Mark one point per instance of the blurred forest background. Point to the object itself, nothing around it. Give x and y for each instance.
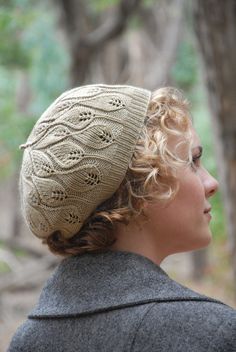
(47, 47)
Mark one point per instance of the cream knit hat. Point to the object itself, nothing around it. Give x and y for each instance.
(77, 155)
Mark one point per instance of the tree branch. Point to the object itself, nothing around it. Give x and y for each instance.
(112, 27)
(167, 48)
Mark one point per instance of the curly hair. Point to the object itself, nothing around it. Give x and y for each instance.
(151, 176)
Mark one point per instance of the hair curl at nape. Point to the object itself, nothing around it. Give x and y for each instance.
(151, 175)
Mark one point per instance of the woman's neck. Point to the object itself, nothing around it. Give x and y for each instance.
(134, 238)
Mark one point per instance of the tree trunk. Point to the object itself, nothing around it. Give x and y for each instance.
(163, 23)
(101, 53)
(215, 25)
(88, 33)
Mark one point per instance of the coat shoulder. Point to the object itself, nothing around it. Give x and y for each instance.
(37, 335)
(187, 326)
(23, 337)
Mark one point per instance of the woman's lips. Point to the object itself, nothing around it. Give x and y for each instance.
(207, 212)
(208, 215)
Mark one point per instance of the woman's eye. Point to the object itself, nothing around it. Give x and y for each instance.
(196, 162)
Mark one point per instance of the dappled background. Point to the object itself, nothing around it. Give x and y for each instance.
(47, 47)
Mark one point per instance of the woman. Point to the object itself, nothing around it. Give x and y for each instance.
(112, 178)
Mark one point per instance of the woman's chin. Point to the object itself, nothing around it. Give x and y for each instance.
(203, 241)
(199, 243)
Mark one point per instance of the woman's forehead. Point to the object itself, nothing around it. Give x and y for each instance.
(180, 145)
(196, 142)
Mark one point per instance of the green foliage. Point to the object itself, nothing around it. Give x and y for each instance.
(13, 20)
(20, 253)
(184, 72)
(149, 3)
(4, 268)
(29, 45)
(101, 5)
(50, 61)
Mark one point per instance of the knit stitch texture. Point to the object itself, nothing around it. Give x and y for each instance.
(77, 155)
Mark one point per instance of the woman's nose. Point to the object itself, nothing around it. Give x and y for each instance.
(211, 185)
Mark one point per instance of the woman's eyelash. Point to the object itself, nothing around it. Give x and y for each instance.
(197, 157)
(195, 161)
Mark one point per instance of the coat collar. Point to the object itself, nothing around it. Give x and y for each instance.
(109, 280)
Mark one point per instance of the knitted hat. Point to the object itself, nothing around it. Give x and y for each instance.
(77, 155)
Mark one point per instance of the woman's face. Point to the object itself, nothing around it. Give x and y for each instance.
(183, 224)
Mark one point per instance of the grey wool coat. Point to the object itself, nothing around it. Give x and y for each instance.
(121, 301)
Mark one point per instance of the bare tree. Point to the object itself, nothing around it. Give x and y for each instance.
(87, 34)
(215, 23)
(162, 27)
(103, 49)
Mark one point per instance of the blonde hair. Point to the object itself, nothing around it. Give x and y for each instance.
(151, 176)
